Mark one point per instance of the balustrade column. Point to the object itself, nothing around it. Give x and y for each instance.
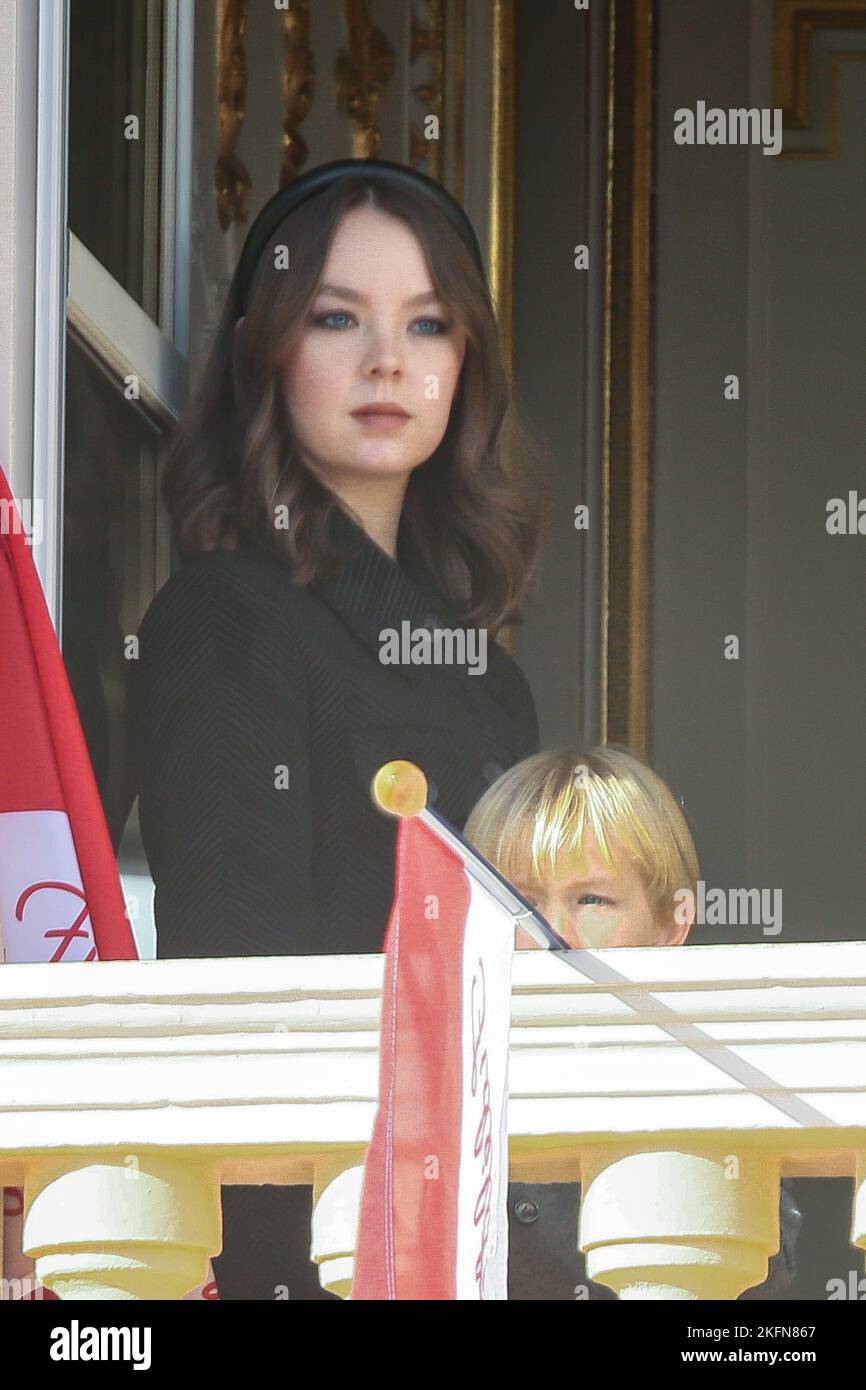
(678, 1224)
(336, 1212)
(109, 1226)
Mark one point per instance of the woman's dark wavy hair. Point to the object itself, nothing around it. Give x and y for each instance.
(234, 459)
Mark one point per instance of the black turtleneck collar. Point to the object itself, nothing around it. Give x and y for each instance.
(371, 591)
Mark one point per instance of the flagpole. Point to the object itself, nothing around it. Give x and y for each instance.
(399, 788)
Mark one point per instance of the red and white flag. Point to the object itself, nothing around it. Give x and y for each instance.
(434, 1222)
(60, 894)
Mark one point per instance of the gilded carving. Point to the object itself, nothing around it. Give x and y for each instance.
(232, 179)
(299, 82)
(794, 22)
(427, 44)
(362, 75)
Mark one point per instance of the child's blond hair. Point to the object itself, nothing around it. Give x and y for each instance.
(541, 807)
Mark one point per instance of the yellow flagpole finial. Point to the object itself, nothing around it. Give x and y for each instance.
(400, 788)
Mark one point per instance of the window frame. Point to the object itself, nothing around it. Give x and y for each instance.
(74, 293)
(73, 290)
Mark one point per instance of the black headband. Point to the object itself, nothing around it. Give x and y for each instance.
(315, 181)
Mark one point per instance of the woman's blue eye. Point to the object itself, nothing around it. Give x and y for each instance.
(440, 326)
(322, 319)
(582, 899)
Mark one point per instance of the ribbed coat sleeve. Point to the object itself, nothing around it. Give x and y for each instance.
(219, 750)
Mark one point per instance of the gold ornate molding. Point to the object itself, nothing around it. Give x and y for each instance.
(362, 75)
(624, 669)
(455, 97)
(428, 43)
(299, 84)
(794, 22)
(832, 147)
(233, 183)
(501, 251)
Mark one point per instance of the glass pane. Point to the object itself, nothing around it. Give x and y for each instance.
(115, 557)
(115, 129)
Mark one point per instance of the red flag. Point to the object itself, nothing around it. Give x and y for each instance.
(433, 1221)
(60, 894)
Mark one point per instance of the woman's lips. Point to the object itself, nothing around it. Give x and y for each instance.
(380, 419)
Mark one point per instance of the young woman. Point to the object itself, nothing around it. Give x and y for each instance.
(351, 540)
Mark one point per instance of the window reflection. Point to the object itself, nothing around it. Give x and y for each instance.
(115, 556)
(114, 181)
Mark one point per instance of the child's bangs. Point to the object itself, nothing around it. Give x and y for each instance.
(588, 803)
(532, 823)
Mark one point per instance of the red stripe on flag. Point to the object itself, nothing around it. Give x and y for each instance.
(407, 1236)
(29, 780)
(45, 763)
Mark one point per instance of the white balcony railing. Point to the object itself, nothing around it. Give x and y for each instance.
(676, 1085)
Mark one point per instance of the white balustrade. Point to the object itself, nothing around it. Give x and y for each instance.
(675, 1085)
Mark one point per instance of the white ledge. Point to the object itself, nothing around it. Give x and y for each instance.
(260, 1064)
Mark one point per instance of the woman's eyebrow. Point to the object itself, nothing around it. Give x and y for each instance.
(344, 292)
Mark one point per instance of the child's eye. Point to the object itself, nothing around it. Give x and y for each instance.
(585, 896)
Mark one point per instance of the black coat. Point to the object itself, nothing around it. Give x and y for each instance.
(242, 673)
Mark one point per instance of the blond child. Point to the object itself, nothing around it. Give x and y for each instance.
(597, 842)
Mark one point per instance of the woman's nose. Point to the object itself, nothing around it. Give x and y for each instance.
(384, 356)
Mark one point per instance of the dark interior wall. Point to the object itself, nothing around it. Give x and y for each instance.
(552, 367)
(699, 473)
(807, 730)
(760, 272)
(720, 263)
(742, 287)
